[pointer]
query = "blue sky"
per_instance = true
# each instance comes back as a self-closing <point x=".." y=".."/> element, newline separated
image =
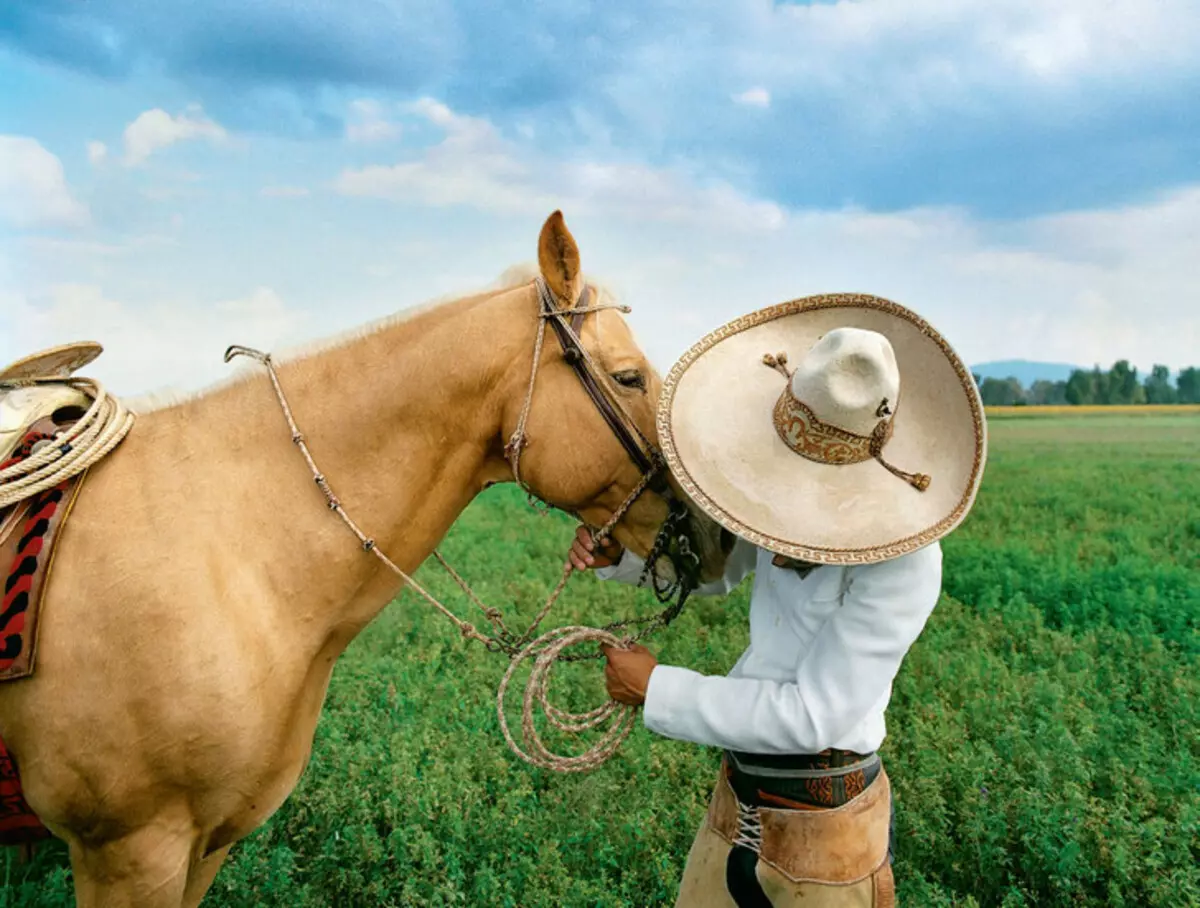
<point x="175" y="177"/>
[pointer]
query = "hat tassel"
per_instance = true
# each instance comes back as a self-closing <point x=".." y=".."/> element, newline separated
<point x="919" y="481"/>
<point x="879" y="438"/>
<point x="778" y="362"/>
<point x="874" y="443"/>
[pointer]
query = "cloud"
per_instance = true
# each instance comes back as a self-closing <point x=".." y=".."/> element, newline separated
<point x="154" y="130"/>
<point x="97" y="152"/>
<point x="168" y="193"/>
<point x="474" y="166"/>
<point x="33" y="187"/>
<point x="753" y="97"/>
<point x="1012" y="107"/>
<point x="49" y="250"/>
<point x="636" y="192"/>
<point x="1086" y="288"/>
<point x="174" y="344"/>
<point x="283" y="192"/>
<point x="368" y="123"/>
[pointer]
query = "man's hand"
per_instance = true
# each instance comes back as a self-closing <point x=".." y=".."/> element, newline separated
<point x="628" y="673"/>
<point x="584" y="553"/>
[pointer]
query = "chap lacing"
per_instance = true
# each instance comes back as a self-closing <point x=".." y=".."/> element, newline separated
<point x="749" y="832"/>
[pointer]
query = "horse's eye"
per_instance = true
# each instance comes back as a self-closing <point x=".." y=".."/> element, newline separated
<point x="630" y="378"/>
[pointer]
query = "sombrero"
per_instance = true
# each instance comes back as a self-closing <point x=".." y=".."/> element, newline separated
<point x="834" y="429"/>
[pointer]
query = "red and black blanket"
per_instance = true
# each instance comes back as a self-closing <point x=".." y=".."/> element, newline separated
<point x="28" y="533"/>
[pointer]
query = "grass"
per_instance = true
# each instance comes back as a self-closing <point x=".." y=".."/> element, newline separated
<point x="1042" y="735"/>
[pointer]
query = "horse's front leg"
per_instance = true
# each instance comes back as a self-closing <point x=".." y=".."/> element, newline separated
<point x="147" y="868"/>
<point x="202" y="876"/>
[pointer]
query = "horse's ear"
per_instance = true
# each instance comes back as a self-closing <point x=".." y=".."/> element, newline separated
<point x="558" y="259"/>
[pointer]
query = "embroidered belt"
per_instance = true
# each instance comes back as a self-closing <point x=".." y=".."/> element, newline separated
<point x="802" y="781"/>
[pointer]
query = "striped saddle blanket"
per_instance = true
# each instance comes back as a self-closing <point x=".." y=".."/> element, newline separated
<point x="28" y="533"/>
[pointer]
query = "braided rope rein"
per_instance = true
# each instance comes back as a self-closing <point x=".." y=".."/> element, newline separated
<point x="545" y="649"/>
<point x="101" y="428"/>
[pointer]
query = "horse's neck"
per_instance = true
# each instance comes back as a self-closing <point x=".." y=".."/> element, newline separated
<point x="404" y="423"/>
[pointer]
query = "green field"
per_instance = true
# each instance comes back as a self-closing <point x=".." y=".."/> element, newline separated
<point x="1044" y="742"/>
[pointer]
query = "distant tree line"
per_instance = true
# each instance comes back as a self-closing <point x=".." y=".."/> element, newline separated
<point x="1118" y="385"/>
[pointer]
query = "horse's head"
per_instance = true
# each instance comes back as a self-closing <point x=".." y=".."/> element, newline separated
<point x="590" y="450"/>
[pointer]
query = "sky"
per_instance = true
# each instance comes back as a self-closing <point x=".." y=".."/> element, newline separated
<point x="176" y="177"/>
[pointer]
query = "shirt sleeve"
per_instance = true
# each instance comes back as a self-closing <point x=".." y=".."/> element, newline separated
<point x="849" y="668"/>
<point x="738" y="564"/>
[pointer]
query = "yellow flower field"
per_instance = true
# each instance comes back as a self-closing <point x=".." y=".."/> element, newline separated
<point x="1090" y="410"/>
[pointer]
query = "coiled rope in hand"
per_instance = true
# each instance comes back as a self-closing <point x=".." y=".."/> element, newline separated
<point x="545" y="651"/>
<point x="551" y="648"/>
<point x="74" y="449"/>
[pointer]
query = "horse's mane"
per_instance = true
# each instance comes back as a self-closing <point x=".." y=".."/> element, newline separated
<point x="514" y="276"/>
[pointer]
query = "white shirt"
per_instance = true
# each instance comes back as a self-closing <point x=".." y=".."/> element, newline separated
<point x="824" y="650"/>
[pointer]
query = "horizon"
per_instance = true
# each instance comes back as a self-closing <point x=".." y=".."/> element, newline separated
<point x="175" y="179"/>
<point x="992" y="364"/>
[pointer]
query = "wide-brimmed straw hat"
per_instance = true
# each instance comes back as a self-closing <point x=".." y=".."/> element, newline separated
<point x="835" y="429"/>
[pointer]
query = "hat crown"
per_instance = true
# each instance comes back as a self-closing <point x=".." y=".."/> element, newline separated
<point x="846" y="376"/>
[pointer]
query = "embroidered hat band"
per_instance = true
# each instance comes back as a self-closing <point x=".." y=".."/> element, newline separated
<point x="822" y="442"/>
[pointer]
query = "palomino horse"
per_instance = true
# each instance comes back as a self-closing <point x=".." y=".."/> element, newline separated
<point x="202" y="592"/>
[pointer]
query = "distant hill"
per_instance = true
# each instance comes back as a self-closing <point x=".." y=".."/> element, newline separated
<point x="1025" y="371"/>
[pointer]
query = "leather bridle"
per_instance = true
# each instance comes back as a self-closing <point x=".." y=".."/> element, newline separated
<point x="674" y="540"/>
<point x="572" y="347"/>
<point x="568" y="325"/>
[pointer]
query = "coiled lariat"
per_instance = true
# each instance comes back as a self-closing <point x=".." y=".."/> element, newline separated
<point x="75" y="448"/>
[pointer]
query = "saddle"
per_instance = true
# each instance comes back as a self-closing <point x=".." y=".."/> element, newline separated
<point x="31" y="398"/>
<point x="38" y="403"/>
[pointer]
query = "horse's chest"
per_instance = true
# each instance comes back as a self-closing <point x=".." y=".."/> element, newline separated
<point x="266" y="766"/>
<point x="257" y="804"/>
<point x="246" y="781"/>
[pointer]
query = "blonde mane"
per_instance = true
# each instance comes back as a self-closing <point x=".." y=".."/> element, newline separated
<point x="165" y="399"/>
<point x="515" y="276"/>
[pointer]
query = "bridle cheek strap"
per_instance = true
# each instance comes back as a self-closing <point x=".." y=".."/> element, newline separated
<point x="651" y="465"/>
<point x="576" y="358"/>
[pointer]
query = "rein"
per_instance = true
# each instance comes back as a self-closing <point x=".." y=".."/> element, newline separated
<point x="673" y="542"/>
